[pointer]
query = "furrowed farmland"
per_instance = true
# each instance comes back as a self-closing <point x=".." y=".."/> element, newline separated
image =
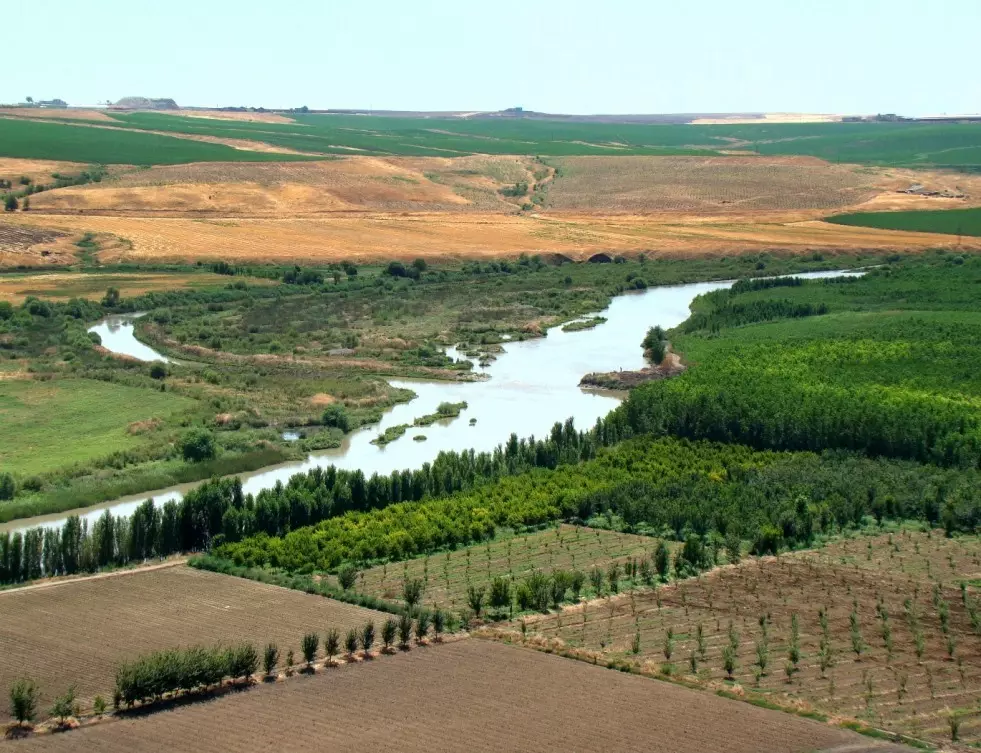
<point x="472" y="695"/>
<point x="883" y="629"/>
<point x="77" y="632"/>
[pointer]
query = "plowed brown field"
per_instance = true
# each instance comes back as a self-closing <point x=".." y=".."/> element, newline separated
<point x="76" y="632"/>
<point x="470" y="695"/>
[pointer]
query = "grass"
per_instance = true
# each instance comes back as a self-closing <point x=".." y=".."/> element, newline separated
<point x="947" y="221"/>
<point x="48" y="425"/>
<point x="77" y="143"/>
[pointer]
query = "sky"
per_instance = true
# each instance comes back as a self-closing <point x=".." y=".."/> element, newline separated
<point x="913" y="57"/>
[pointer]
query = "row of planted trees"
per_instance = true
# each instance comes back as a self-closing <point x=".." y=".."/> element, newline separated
<point x="218" y="511"/>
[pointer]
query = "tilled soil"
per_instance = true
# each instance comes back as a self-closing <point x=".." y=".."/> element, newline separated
<point x="470" y="695"/>
<point x="77" y="632"/>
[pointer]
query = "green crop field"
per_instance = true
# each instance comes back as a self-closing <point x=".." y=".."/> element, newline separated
<point x="950" y="145"/>
<point x="948" y="221"/>
<point x="78" y="143"/>
<point x="48" y="425"/>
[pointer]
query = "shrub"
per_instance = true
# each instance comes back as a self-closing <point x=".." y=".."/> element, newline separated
<point x="243" y="661"/>
<point x="389" y="628"/>
<point x="347" y="576"/>
<point x="10" y="203"/>
<point x="500" y="593"/>
<point x="367" y="637"/>
<point x="405" y="631"/>
<point x="198" y="445"/>
<point x="8" y="488"/>
<point x="99" y="705"/>
<point x="309" y="646"/>
<point x="412" y="592"/>
<point x="270" y="658"/>
<point x="439" y="623"/>
<point x="335" y="416"/>
<point x="65" y="705"/>
<point x="332" y="644"/>
<point x="422" y="625"/>
<point x="24" y="696"/>
<point x="158" y="370"/>
<point x="475" y="599"/>
<point x="351" y="642"/>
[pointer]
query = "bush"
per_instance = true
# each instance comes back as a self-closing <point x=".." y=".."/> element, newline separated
<point x="198" y="445"/>
<point x="367" y="637"/>
<point x="270" y="658"/>
<point x="336" y="416"/>
<point x="150" y="677"/>
<point x="422" y="625"/>
<point x="351" y="642"/>
<point x="65" y="705"/>
<point x="24" y="696"/>
<point x="8" y="488"/>
<point x="439" y="623"/>
<point x="396" y="269"/>
<point x="389" y="630"/>
<point x="158" y="370"/>
<point x="412" y="592"/>
<point x="347" y="577"/>
<point x="332" y="644"/>
<point x="420" y="264"/>
<point x="243" y="661"/>
<point x="309" y="646"/>
<point x="405" y="631"/>
<point x="10" y="203"/>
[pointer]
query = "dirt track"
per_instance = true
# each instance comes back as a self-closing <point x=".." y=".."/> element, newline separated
<point x="470" y="695"/>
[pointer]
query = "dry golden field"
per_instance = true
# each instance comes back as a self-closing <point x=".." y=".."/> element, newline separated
<point x="47" y="113"/>
<point x="907" y="677"/>
<point x="366" y="237"/>
<point x="376" y="208"/>
<point x="466" y="695"/>
<point x="77" y="631"/>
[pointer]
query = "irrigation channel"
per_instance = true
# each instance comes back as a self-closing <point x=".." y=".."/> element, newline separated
<point x="530" y="386"/>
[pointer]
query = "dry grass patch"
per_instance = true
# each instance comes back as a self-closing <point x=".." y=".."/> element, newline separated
<point x="49" y="113"/>
<point x="76" y="632"/>
<point x="64" y="285"/>
<point x="468" y="695"/>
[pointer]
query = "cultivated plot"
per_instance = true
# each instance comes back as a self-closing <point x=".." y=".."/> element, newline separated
<point x="446" y="576"/>
<point x="76" y="632"/>
<point x="884" y="632"/>
<point x="469" y="695"/>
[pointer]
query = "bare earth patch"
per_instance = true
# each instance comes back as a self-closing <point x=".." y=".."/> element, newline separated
<point x="52" y="113"/>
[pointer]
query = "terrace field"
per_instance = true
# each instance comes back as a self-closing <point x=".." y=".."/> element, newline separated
<point x="902" y="668"/>
<point x="471" y="695"/>
<point x="77" y="631"/>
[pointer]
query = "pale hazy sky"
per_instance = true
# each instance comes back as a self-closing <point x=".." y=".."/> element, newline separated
<point x="576" y="56"/>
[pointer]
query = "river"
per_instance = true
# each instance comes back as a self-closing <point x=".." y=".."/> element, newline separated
<point x="530" y="386"/>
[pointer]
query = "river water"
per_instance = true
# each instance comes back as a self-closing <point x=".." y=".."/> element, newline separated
<point x="530" y="386"/>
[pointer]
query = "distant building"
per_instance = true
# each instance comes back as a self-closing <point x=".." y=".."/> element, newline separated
<point x="51" y="103"/>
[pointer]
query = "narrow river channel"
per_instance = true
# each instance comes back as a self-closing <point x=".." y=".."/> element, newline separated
<point x="531" y="385"/>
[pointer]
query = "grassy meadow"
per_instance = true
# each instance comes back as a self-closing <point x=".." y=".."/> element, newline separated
<point x="48" y="425"/>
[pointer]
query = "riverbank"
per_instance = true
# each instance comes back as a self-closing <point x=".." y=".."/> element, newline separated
<point x="672" y="366"/>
